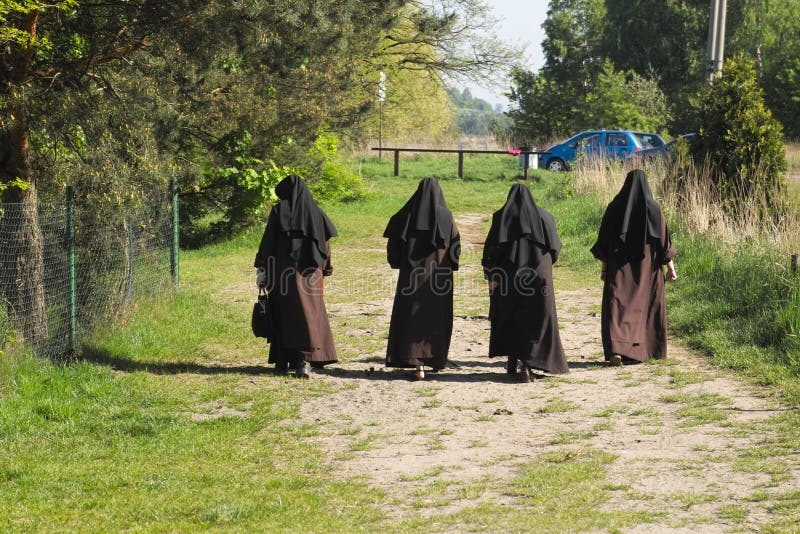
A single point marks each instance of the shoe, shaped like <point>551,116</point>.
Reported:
<point>419,374</point>
<point>615,361</point>
<point>511,365</point>
<point>525,375</point>
<point>302,370</point>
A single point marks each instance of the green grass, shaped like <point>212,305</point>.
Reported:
<point>172,422</point>
<point>562,491</point>
<point>742,308</point>
<point>85,449</point>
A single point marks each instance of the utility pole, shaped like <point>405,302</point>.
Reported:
<point>381,98</point>
<point>716,38</point>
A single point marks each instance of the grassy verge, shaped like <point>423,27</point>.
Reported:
<point>170,424</point>
<point>742,307</point>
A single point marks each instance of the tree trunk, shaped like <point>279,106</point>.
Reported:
<point>22,278</point>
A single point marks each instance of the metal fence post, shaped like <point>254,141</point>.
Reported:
<point>175,250</point>
<point>72,305</point>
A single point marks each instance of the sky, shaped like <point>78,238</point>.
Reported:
<point>520,21</point>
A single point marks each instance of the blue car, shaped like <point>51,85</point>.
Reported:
<point>609,144</point>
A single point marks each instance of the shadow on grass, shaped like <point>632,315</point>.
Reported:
<point>101,356</point>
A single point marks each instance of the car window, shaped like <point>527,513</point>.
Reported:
<point>578,140</point>
<point>616,139</point>
<point>589,140</point>
<point>648,140</point>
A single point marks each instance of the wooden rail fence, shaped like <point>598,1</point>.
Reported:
<point>461,152</point>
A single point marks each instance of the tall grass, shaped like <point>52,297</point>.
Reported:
<point>738,298</point>
<point>793,156</point>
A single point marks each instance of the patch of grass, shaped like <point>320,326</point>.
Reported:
<point>761,459</point>
<point>602,426</point>
<point>435,444</point>
<point>427,391</point>
<point>698,409</point>
<point>557,492</point>
<point>432,403</point>
<point>733,512</point>
<point>430,473</point>
<point>680,378</point>
<point>687,499</point>
<point>558,405</point>
<point>476,489</point>
<point>741,307</point>
<point>366,443</point>
<point>569,437</point>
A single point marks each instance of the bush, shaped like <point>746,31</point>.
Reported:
<point>740,138</point>
<point>328,177</point>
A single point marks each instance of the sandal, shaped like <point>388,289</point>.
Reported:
<point>525,375</point>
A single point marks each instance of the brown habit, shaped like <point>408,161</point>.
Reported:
<point>424,245</point>
<point>634,314</point>
<point>295,268</point>
<point>518,258</point>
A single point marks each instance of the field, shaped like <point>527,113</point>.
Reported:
<point>174,422</point>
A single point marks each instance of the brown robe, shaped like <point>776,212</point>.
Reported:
<point>422,314</point>
<point>524,325</point>
<point>303,329</point>
<point>634,313</point>
<point>518,257</point>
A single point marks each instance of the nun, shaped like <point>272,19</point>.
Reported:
<point>518,257</point>
<point>292,259</point>
<point>423,244</point>
<point>634,246</point>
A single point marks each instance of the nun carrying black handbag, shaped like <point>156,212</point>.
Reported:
<point>262,321</point>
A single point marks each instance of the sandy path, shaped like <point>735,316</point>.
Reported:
<point>680,428</point>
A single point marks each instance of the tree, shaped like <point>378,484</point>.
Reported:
<point>769,32</point>
<point>625,101</point>
<point>48,50</point>
<point>740,137</point>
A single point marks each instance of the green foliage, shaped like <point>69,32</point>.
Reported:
<point>660,40</point>
<point>741,307</point>
<point>232,198</point>
<point>740,137</point>
<point>625,101</point>
<point>784,97</point>
<point>544,110</point>
<point>332,181</point>
<point>769,32</point>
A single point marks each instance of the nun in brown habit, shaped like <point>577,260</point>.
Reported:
<point>292,259</point>
<point>518,258</point>
<point>634,245</point>
<point>424,245</point>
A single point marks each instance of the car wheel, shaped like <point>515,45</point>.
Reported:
<point>556,165</point>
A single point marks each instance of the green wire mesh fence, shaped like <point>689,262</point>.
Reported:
<point>69,268</point>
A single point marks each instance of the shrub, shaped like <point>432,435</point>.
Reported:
<point>328,177</point>
<point>740,138</point>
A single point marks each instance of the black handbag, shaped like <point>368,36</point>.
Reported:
<point>262,321</point>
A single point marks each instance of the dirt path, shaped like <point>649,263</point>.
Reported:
<point>690,440</point>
